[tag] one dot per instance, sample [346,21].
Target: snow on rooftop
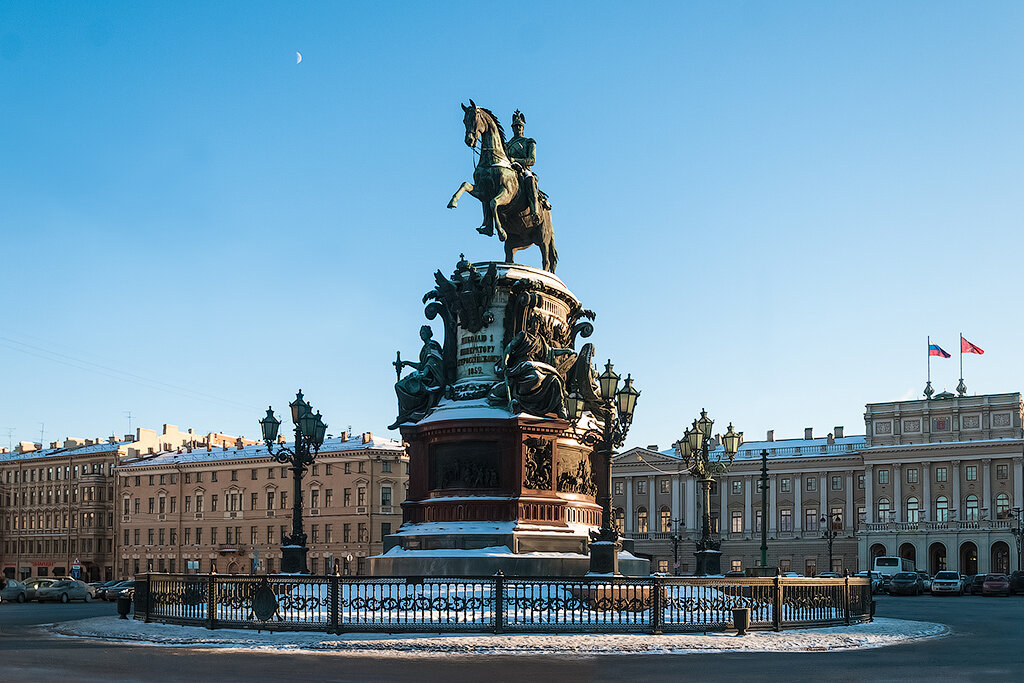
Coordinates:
[216,453]
[52,452]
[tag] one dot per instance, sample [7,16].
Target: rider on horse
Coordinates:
[522,151]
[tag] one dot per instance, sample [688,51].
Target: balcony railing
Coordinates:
[956,525]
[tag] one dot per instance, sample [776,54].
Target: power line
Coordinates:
[114,373]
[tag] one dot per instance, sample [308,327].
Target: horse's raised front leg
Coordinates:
[501,199]
[464,187]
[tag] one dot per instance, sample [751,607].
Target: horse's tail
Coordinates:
[552,252]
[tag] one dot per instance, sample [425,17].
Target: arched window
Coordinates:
[972,508]
[619,519]
[883,509]
[641,520]
[665,520]
[1002,506]
[941,509]
[913,510]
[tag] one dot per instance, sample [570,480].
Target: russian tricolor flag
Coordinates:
[936,350]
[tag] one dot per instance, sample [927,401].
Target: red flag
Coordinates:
[968,347]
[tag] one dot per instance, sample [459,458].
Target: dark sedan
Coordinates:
[906,583]
[976,583]
[996,584]
[1017,582]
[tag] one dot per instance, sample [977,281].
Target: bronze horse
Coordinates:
[496,185]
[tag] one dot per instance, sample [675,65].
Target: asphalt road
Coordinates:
[985,645]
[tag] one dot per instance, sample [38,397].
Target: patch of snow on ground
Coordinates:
[880,633]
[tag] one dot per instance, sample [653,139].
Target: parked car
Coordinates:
[1017,582]
[65,591]
[14,591]
[127,587]
[876,580]
[792,574]
[906,583]
[996,584]
[734,574]
[948,583]
[101,589]
[976,583]
[829,575]
[925,580]
[32,587]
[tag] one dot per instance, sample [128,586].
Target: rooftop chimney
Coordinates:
[838,431]
[344,436]
[771,435]
[367,437]
[652,447]
[808,432]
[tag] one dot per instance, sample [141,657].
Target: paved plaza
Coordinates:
[982,644]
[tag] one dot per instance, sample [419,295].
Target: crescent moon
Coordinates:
[298,57]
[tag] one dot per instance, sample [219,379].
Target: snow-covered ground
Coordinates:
[880,633]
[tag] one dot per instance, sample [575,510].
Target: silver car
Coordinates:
[32,587]
[65,591]
[14,591]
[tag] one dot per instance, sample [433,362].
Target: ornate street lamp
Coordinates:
[1018,534]
[617,406]
[704,462]
[309,436]
[830,532]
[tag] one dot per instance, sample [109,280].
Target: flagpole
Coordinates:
[929,359]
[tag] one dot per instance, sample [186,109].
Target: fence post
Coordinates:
[499,602]
[142,599]
[335,625]
[657,609]
[211,601]
[846,598]
[777,601]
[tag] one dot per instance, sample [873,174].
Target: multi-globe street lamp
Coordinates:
[309,436]
[705,461]
[830,532]
[616,408]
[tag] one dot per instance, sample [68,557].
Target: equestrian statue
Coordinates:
[506,186]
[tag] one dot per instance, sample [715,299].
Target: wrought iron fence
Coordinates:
[656,604]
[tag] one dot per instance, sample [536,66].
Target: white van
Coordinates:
[890,566]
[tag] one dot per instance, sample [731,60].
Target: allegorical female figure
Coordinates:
[419,391]
[533,372]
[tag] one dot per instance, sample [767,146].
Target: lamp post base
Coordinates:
[604,557]
[293,559]
[709,562]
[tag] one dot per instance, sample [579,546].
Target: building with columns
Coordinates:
[938,481]
[808,478]
[945,480]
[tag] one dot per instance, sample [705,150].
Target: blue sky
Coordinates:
[769,205]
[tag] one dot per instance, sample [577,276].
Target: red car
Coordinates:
[996,584]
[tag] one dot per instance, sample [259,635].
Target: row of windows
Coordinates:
[57,473]
[59,546]
[942,474]
[666,522]
[56,521]
[736,485]
[234,501]
[266,564]
[50,495]
[943,513]
[197,477]
[234,534]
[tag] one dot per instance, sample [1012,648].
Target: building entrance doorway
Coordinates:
[908,552]
[1000,558]
[968,558]
[936,558]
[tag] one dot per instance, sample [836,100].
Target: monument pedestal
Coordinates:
[497,479]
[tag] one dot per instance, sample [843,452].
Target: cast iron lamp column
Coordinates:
[764,509]
[1018,532]
[309,436]
[676,538]
[829,533]
[616,408]
[704,462]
